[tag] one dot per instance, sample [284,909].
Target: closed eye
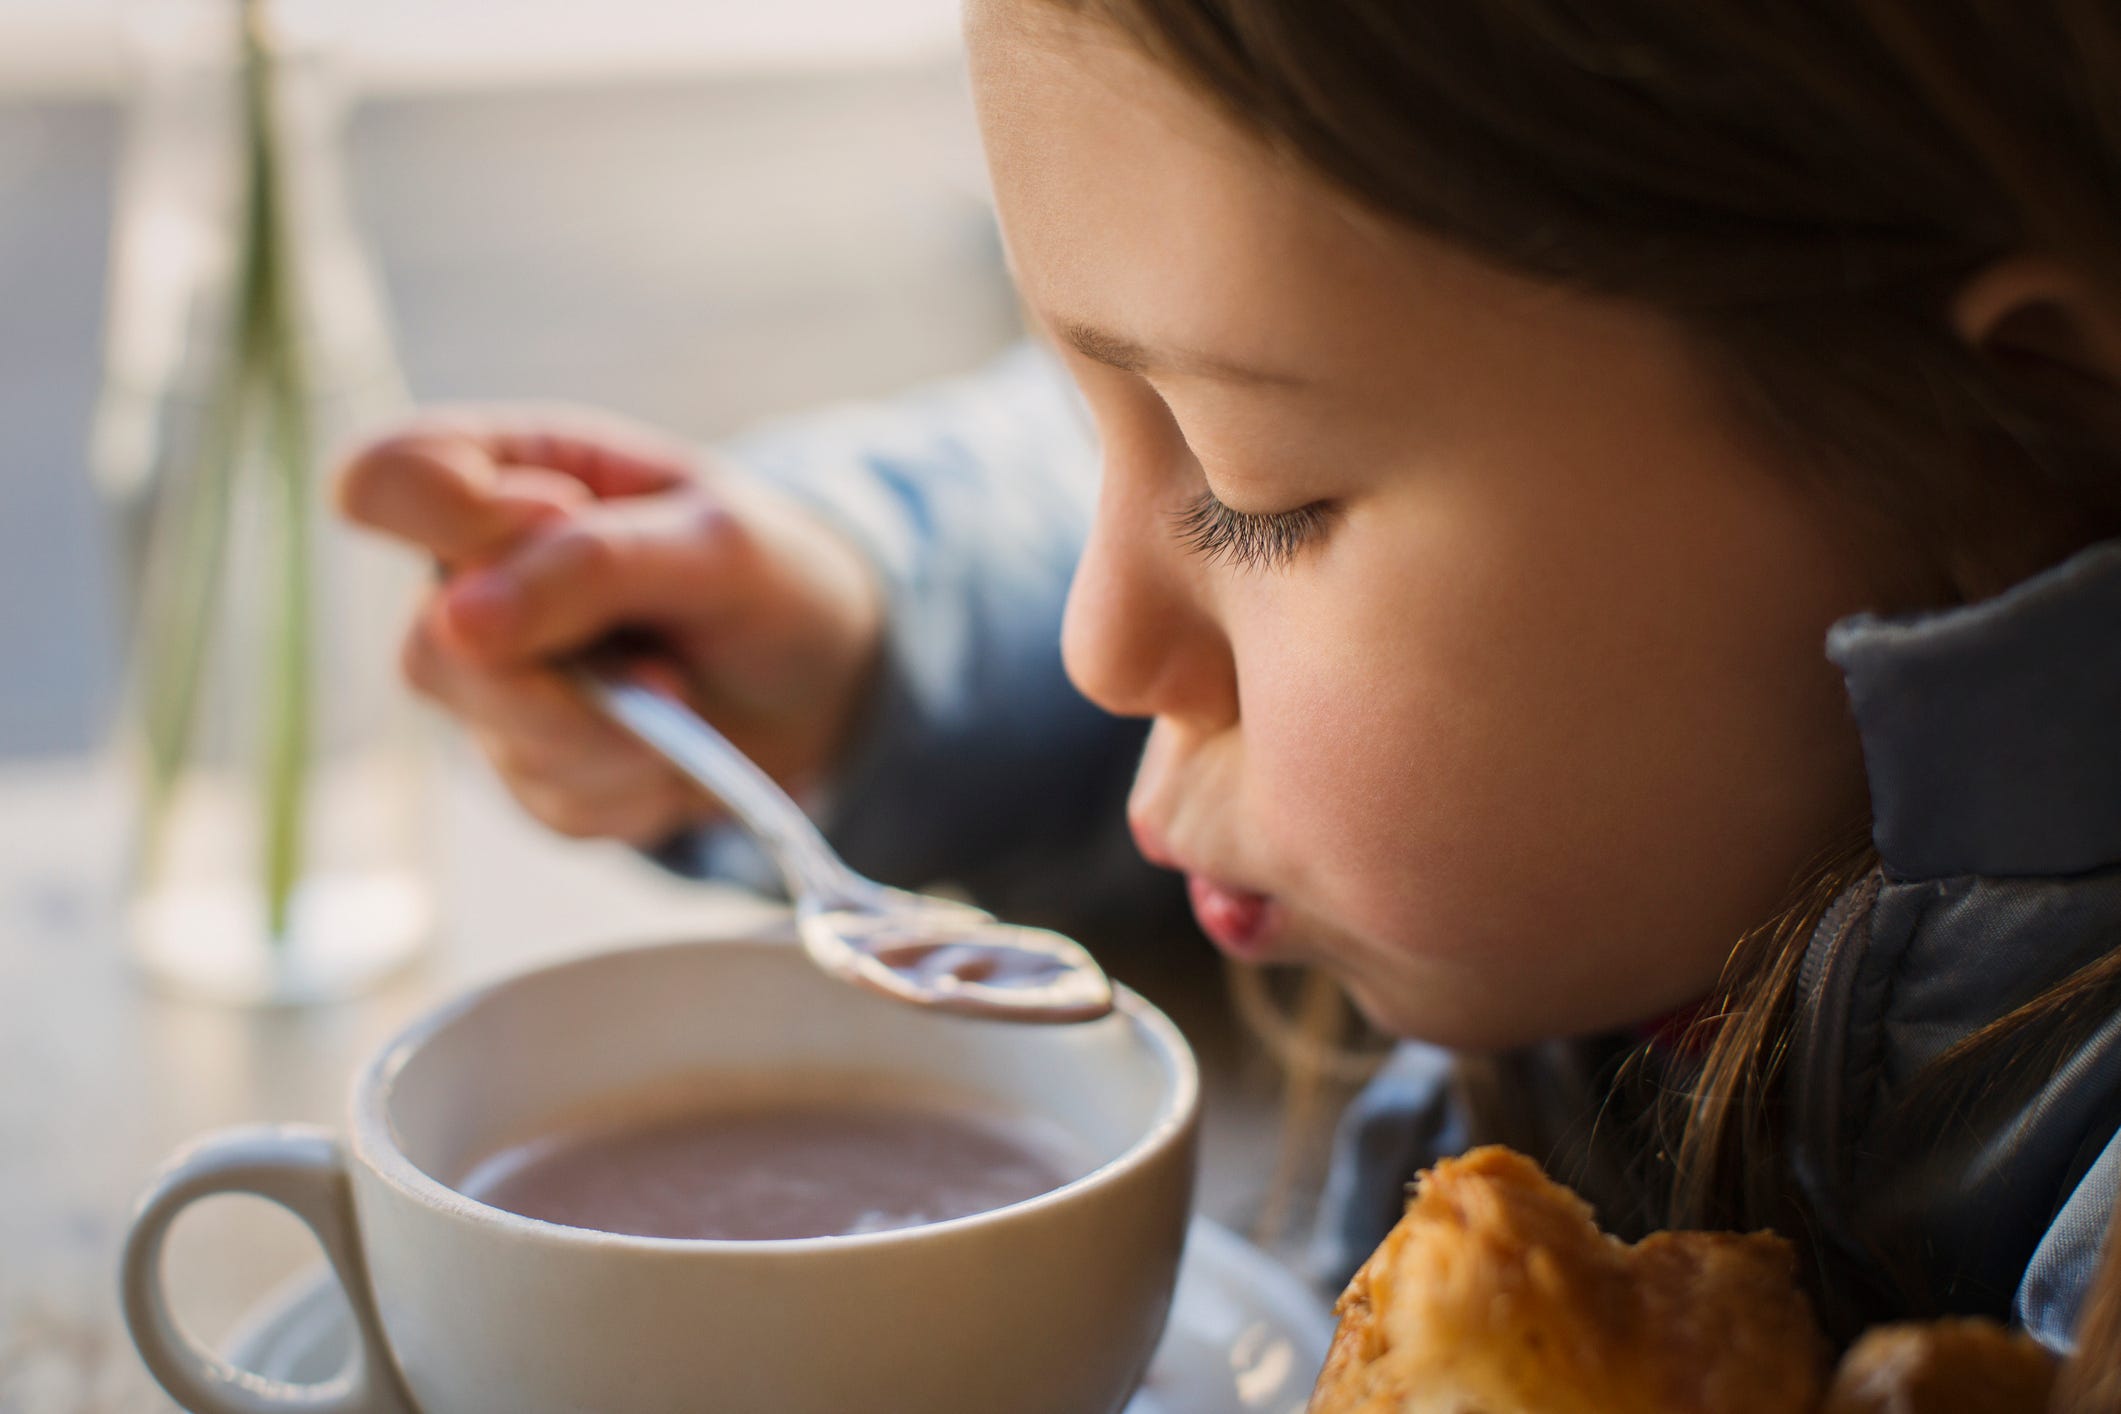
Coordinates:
[1264,540]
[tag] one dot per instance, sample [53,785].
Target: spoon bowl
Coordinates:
[955,958]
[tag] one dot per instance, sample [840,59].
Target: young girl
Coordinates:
[1600,509]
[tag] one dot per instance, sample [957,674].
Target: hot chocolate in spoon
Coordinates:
[927,951]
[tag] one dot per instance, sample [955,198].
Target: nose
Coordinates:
[1141,637]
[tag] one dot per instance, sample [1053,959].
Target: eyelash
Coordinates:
[1210,529]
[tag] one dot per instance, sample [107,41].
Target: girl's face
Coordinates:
[1483,645]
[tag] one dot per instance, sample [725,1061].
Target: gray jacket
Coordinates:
[1992,737]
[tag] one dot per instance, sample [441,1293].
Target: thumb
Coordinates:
[636,563]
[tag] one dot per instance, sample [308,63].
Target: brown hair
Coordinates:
[1803,188]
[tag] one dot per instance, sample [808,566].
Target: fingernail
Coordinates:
[659,678]
[481,602]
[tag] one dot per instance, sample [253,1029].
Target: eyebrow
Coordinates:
[1118,351]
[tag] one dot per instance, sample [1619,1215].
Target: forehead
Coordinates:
[1130,203]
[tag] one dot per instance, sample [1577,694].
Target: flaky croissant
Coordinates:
[1942,1367]
[1497,1294]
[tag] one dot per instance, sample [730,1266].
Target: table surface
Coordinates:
[101,1077]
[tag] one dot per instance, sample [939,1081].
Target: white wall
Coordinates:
[59,45]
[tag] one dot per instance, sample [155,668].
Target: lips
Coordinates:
[1235,919]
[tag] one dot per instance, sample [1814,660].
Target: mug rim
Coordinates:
[373,1141]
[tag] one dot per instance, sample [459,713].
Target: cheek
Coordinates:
[1356,773]
[1553,747]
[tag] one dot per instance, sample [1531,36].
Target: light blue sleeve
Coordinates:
[2059,1277]
[976,762]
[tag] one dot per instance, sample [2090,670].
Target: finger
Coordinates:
[608,455]
[447,496]
[574,764]
[660,676]
[523,704]
[639,818]
[569,585]
[542,746]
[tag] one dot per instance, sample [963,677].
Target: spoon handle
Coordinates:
[810,866]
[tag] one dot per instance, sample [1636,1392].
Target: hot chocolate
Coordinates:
[801,1166]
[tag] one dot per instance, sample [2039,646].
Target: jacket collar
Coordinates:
[1992,732]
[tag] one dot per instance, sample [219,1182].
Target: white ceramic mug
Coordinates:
[1051,1305]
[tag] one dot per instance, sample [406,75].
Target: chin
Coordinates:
[1455,1028]
[1409,997]
[1388,1014]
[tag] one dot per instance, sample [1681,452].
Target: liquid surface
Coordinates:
[812,1169]
[929,963]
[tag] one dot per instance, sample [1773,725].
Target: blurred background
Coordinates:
[701,213]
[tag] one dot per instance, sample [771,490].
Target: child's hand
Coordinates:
[553,533]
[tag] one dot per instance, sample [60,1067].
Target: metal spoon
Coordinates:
[927,951]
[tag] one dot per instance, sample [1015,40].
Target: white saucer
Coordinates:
[1245,1335]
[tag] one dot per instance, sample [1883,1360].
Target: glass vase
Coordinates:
[277,850]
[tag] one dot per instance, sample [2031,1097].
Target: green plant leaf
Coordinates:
[279,362]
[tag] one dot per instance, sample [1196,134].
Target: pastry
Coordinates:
[1942,1367]
[1497,1294]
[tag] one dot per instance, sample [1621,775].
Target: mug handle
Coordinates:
[301,1168]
